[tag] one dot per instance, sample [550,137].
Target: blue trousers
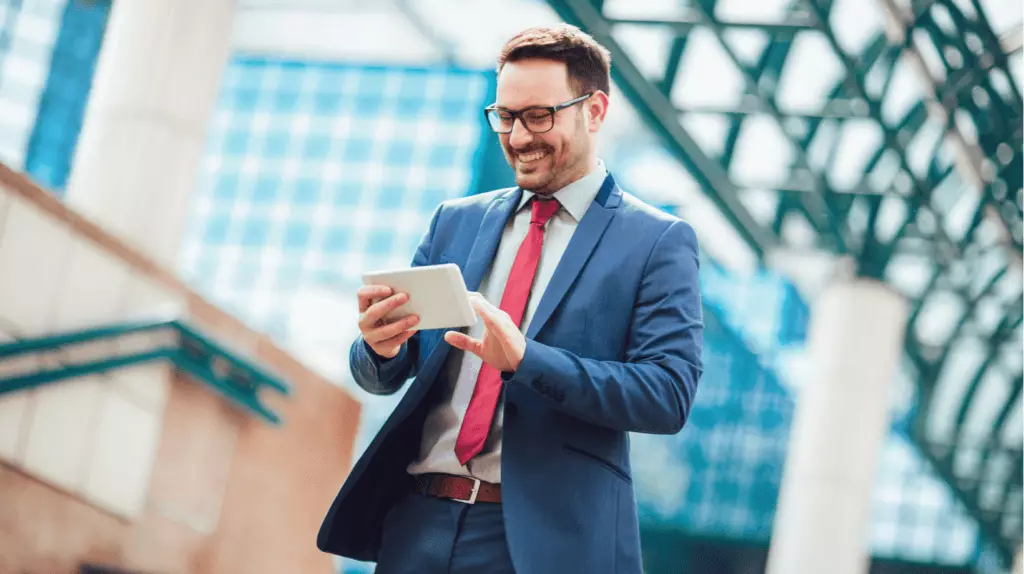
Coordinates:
[428,535]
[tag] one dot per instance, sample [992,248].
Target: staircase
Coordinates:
[128,439]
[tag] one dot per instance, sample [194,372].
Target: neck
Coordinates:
[586,168]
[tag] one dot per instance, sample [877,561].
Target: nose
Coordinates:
[520,136]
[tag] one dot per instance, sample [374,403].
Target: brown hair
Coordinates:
[588,63]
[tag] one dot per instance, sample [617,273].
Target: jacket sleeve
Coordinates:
[381,376]
[652,391]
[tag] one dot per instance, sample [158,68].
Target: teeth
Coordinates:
[532,156]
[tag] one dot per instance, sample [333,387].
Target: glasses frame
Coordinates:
[518,114]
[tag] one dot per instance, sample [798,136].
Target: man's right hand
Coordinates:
[386,339]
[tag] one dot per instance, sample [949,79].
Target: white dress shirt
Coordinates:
[441,429]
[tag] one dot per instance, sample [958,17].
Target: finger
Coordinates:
[395,341]
[463,342]
[390,330]
[380,309]
[367,293]
[487,312]
[483,305]
[498,323]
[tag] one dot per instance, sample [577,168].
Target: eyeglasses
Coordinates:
[536,119]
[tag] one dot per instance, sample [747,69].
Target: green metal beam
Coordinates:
[792,25]
[834,109]
[855,81]
[996,47]
[675,57]
[662,118]
[945,470]
[968,90]
[970,157]
[853,220]
[820,213]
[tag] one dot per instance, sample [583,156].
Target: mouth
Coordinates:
[532,156]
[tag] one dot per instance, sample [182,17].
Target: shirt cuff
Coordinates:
[381,362]
[528,367]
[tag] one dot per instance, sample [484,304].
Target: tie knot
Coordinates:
[543,210]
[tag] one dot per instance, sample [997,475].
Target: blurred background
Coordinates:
[192,188]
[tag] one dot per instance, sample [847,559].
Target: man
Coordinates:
[509,451]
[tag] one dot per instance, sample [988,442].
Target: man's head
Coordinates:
[539,70]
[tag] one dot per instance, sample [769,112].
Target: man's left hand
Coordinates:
[502,346]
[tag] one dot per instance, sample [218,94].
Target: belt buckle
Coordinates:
[473,494]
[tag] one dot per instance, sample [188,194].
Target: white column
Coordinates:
[142,142]
[842,418]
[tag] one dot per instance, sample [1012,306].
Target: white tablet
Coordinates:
[437,293]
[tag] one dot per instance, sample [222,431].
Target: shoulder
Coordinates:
[466,211]
[475,202]
[640,213]
[653,229]
[636,208]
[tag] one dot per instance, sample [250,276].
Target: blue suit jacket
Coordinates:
[614,347]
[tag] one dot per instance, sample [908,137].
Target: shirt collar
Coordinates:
[578,195]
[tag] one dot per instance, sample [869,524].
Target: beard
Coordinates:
[547,175]
[536,176]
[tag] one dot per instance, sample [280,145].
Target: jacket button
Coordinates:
[511,410]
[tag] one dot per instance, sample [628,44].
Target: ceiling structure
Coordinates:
[875,137]
[880,138]
[885,136]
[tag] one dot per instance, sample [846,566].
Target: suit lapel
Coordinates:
[480,256]
[486,244]
[577,253]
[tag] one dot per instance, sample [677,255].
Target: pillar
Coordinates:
[142,141]
[842,418]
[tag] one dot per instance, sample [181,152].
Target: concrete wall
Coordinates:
[144,468]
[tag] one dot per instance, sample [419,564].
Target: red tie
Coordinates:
[480,413]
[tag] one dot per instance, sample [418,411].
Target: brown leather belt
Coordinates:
[457,488]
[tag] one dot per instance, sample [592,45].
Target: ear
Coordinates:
[596,109]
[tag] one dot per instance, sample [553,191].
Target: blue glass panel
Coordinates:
[320,171]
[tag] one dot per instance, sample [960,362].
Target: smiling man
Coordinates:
[509,451]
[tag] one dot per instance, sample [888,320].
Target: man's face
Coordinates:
[544,162]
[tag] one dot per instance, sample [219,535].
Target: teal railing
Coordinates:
[234,377]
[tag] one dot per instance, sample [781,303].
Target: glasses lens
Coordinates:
[538,121]
[500,121]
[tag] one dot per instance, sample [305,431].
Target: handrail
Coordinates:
[232,376]
[47,342]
